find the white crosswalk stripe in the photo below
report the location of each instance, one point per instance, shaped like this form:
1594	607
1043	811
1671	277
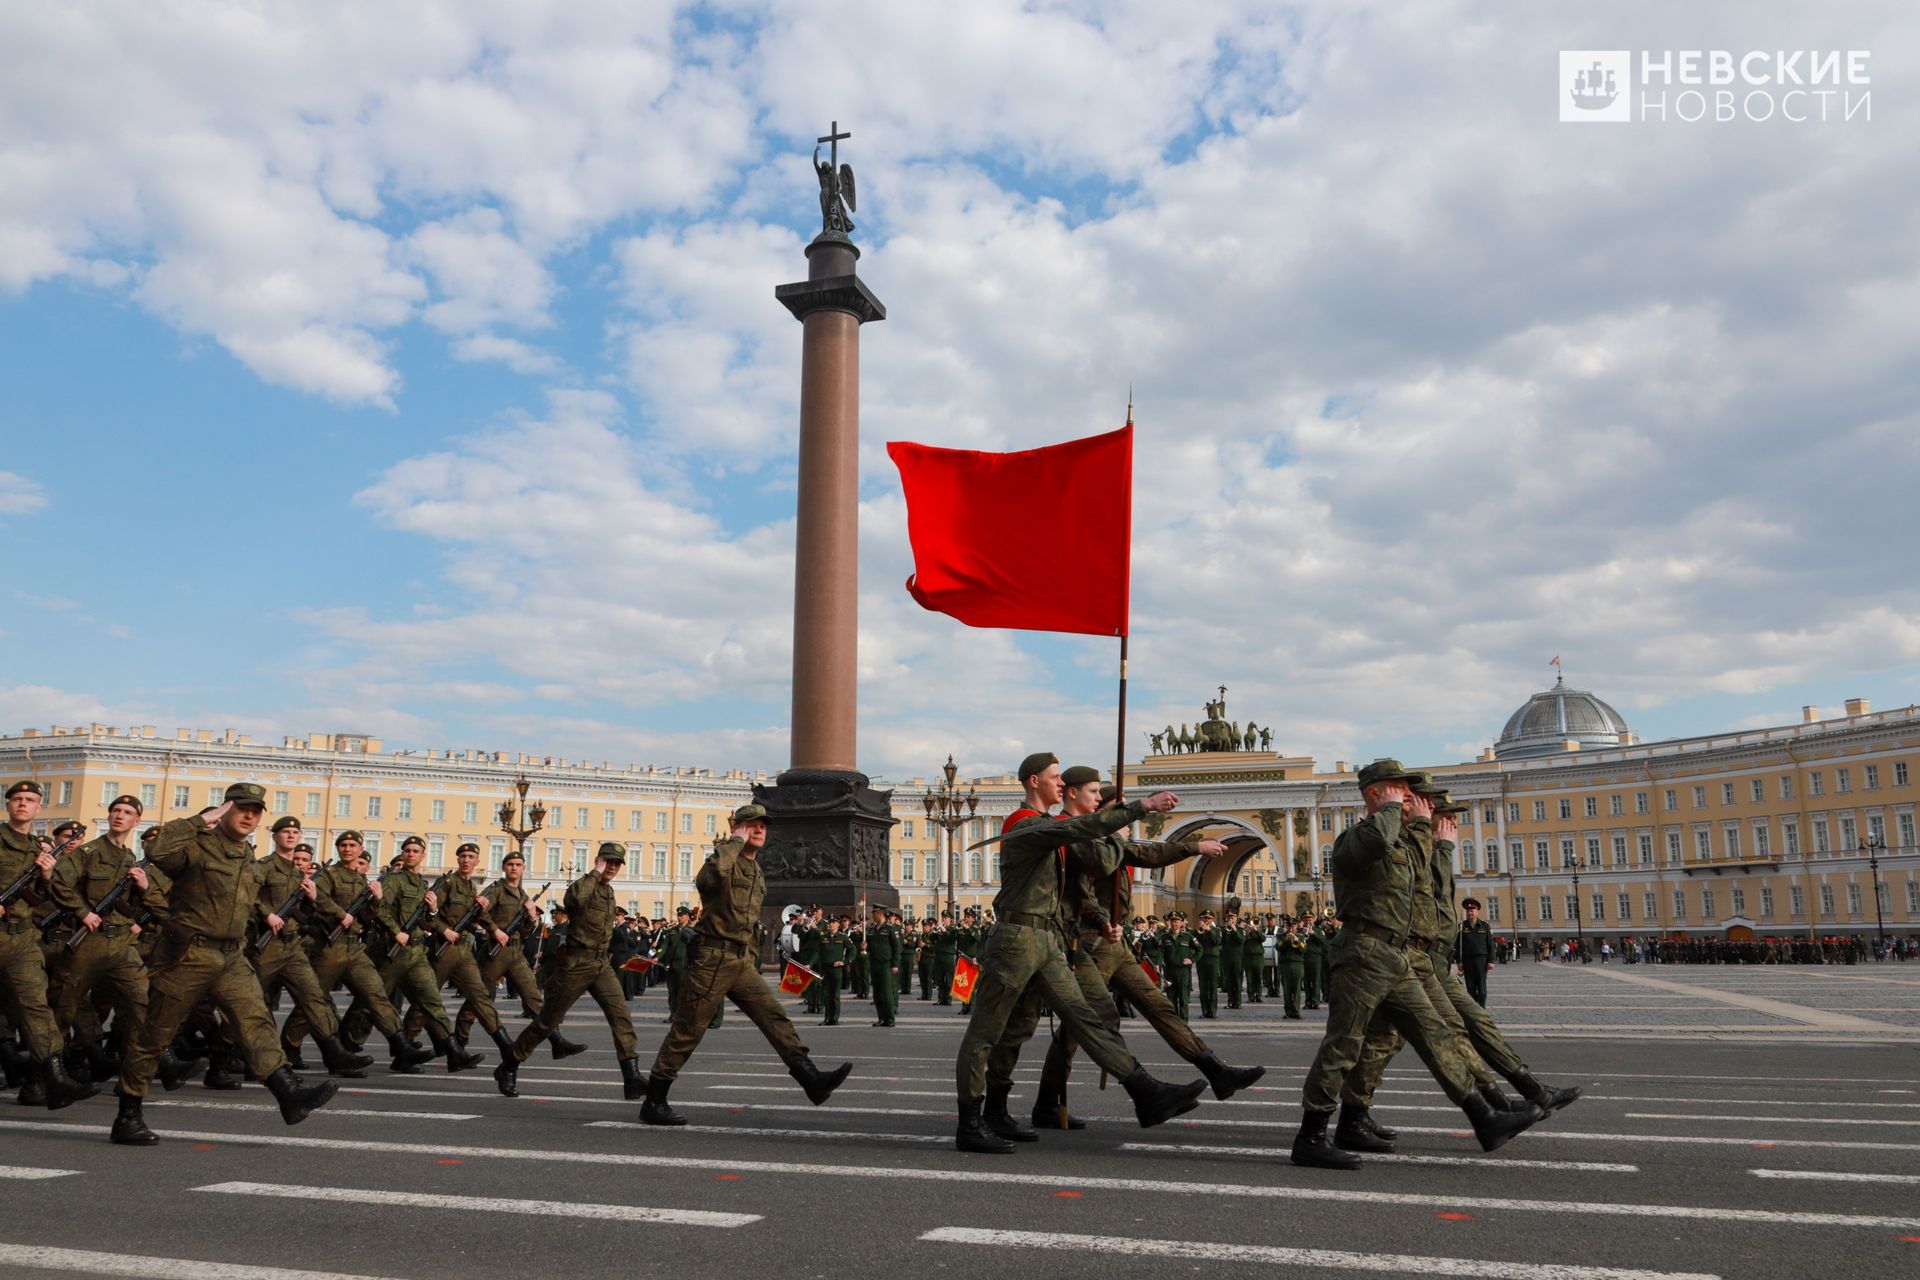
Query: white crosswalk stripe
1500	1163
1548	1132
1821	1120
384	1198
736	1131
1274	1255
1809	1175
19	1174
331	1111
45	1258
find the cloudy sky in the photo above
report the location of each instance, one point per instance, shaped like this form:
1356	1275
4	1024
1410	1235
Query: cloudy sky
421	376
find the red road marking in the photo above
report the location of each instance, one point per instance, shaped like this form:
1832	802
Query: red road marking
1911	1239
449	1162
726	1177
1454	1217
1764	1146
1461	1133
203	1146
1067	1195
738	1111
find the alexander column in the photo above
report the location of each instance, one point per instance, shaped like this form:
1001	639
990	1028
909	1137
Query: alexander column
827	839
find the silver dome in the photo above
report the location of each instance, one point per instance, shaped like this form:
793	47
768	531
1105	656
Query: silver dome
1553	717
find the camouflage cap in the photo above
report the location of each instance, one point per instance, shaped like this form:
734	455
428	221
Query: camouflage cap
27	785
748	813
1080	775
281	824
1422	781
246	794
132	802
1036	763
1385	769
1443	802
612	851
347	835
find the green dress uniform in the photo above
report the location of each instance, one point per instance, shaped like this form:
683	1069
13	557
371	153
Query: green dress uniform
1293	971
584	968
1152	947
1474	953
215	882
883	965
1314	956
810	940
945	951
23	966
1253	949
857	972
1207	943
837	957
506	906
1180	956
344	959
456	964
725	964
908	963
673	954
108	957
1230	964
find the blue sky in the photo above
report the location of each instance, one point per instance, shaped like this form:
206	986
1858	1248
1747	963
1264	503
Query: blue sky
434	388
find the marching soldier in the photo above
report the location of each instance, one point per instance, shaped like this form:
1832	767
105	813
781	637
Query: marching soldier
214	886
23	967
406	909
508	911
279	958
725	965
454	961
343	902
583	969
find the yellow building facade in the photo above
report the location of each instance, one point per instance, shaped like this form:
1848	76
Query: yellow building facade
1769	831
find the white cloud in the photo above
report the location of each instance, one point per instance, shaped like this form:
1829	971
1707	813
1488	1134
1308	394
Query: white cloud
20	496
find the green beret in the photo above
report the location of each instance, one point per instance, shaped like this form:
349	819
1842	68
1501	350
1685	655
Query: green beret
1385	769
612	851
29	785
345	836
512	854
1108	792
748	813
69	825
303	847
246	793
412	840
281	824
1036	763
132	802
1079	775
463	848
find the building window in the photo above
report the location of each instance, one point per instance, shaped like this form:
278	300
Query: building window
1786	786
1816	785
1615	806
281	803
1738	897
1493	907
1798	899
1702	844
1516	854
1699	797
1913	897
711	820
1762	840
1726	793
1539	810
108	790
1519	909
906	828
608	819
1843	780
659	862
1791	831
1489	814
1546	909
1573	907
496	854
149	792
553	857
1566	807
686	824
343	806
1566	852
633	820
1513	810
1733	842
312	806
1853	899
1706	904
1466	863
182	797
1493	856
436	850
1541	861
1619	851
436	810
1593	806
686	862
1326	819
660	822
1899	773
1849	837
1826	899
1673	848
1870	776
582	858
1906	830
932	865
373	849
1599	908
1640	802
582	817
1646	850
1679	905
1820	842
1651	903
1672	798
1766	902
973	868
403	809
1593	851
1625	903
216	795
373	806
470	812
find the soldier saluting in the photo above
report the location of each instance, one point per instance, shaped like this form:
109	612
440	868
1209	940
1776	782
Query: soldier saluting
211	899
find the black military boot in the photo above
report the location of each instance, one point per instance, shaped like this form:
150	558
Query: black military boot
997	1119
1377	1129
60	1089
1156	1101
458	1059
341	1061
818	1084
563	1047
74	1059
504	1043
1499	1098
1352	1133
973	1134
633	1081
656	1109
408	1060
297	1099
16	1062
171	1072
1226	1080
130	1127
1543	1096
33	1093
225	1072
506	1076
294	1059
1312	1150
1049	1104
103	1062
1496	1128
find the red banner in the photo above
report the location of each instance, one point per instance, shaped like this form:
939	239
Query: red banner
797	979
965	974
1039	540
1153	974
639	964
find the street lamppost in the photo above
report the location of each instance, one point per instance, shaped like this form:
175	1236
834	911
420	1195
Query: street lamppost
1875	846
511	809
1319	908
949	810
1579	933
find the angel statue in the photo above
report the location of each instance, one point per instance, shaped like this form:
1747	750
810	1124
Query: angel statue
837	196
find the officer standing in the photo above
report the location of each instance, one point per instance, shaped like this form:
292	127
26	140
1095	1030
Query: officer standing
726	965
1473	952
1313	953
883	965
1207	946
1292	964
946	953
836	954
1182	954
214	885
583	968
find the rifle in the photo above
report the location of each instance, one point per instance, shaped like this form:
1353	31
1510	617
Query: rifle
354	909
419	914
438	947
27	877
108	902
267	935
513	930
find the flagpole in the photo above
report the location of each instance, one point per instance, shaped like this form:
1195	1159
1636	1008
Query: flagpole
1120	747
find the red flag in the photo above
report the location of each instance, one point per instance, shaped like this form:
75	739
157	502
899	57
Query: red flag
965	974
796	979
990	530
639	964
1153	974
